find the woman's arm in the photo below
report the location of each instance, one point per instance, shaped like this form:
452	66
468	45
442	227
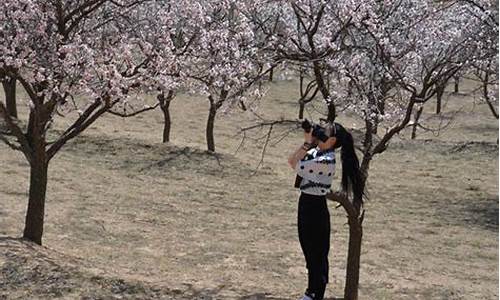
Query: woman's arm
301	151
296	156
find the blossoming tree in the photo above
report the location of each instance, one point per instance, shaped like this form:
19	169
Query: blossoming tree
71	60
226	63
380	60
168	28
484	65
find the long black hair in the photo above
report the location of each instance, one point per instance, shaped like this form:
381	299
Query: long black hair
353	180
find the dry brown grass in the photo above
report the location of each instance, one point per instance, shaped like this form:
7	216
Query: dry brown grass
129	217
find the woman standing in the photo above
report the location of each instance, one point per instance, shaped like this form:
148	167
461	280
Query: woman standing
314	163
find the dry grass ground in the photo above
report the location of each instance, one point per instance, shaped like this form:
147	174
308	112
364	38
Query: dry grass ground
129	217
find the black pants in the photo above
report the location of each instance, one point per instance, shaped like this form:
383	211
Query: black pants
314	236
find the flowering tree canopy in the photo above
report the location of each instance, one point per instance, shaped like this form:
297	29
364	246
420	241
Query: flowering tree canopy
69	56
377	60
226	60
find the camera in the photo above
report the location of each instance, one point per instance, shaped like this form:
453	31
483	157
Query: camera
317	130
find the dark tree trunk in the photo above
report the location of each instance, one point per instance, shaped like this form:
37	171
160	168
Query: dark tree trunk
210	128
439	96
9	86
355	220
415	124
487	96
39	161
303	94
381	110
167	123
353	258
33	229
457	81
165	108
325	92
492	108
375	110
271	74
331	112
302	105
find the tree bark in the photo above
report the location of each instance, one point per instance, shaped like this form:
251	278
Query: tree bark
415	124
210	127
9	86
331	112
439	97
39	159
271	74
355	220
353	258
486	94
165	108
354	251
457	81
323	88
302	105
372	127
33	229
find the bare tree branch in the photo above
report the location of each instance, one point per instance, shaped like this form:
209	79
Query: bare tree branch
126	115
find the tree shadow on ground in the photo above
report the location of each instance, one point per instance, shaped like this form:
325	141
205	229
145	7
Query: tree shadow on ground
480	212
41	273
188	154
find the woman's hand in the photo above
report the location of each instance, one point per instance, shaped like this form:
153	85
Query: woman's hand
308	137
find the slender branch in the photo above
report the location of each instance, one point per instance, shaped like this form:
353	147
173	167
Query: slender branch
126	115
9	143
382	144
89	116
268	137
17	132
486	95
344	201
269	123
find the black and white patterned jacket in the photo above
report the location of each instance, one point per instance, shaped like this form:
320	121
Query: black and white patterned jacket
316	169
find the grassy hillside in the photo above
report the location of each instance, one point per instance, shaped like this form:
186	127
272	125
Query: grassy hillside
127	216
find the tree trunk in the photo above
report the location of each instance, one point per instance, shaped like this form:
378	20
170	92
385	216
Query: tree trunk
331	112
457	81
271	74
165	108
167	122
302	105
415	124
375	127
33	229
381	110
210	128
354	251
9	86
302	96
492	108
486	95
374	108
439	97
355	220
325	92
353	258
